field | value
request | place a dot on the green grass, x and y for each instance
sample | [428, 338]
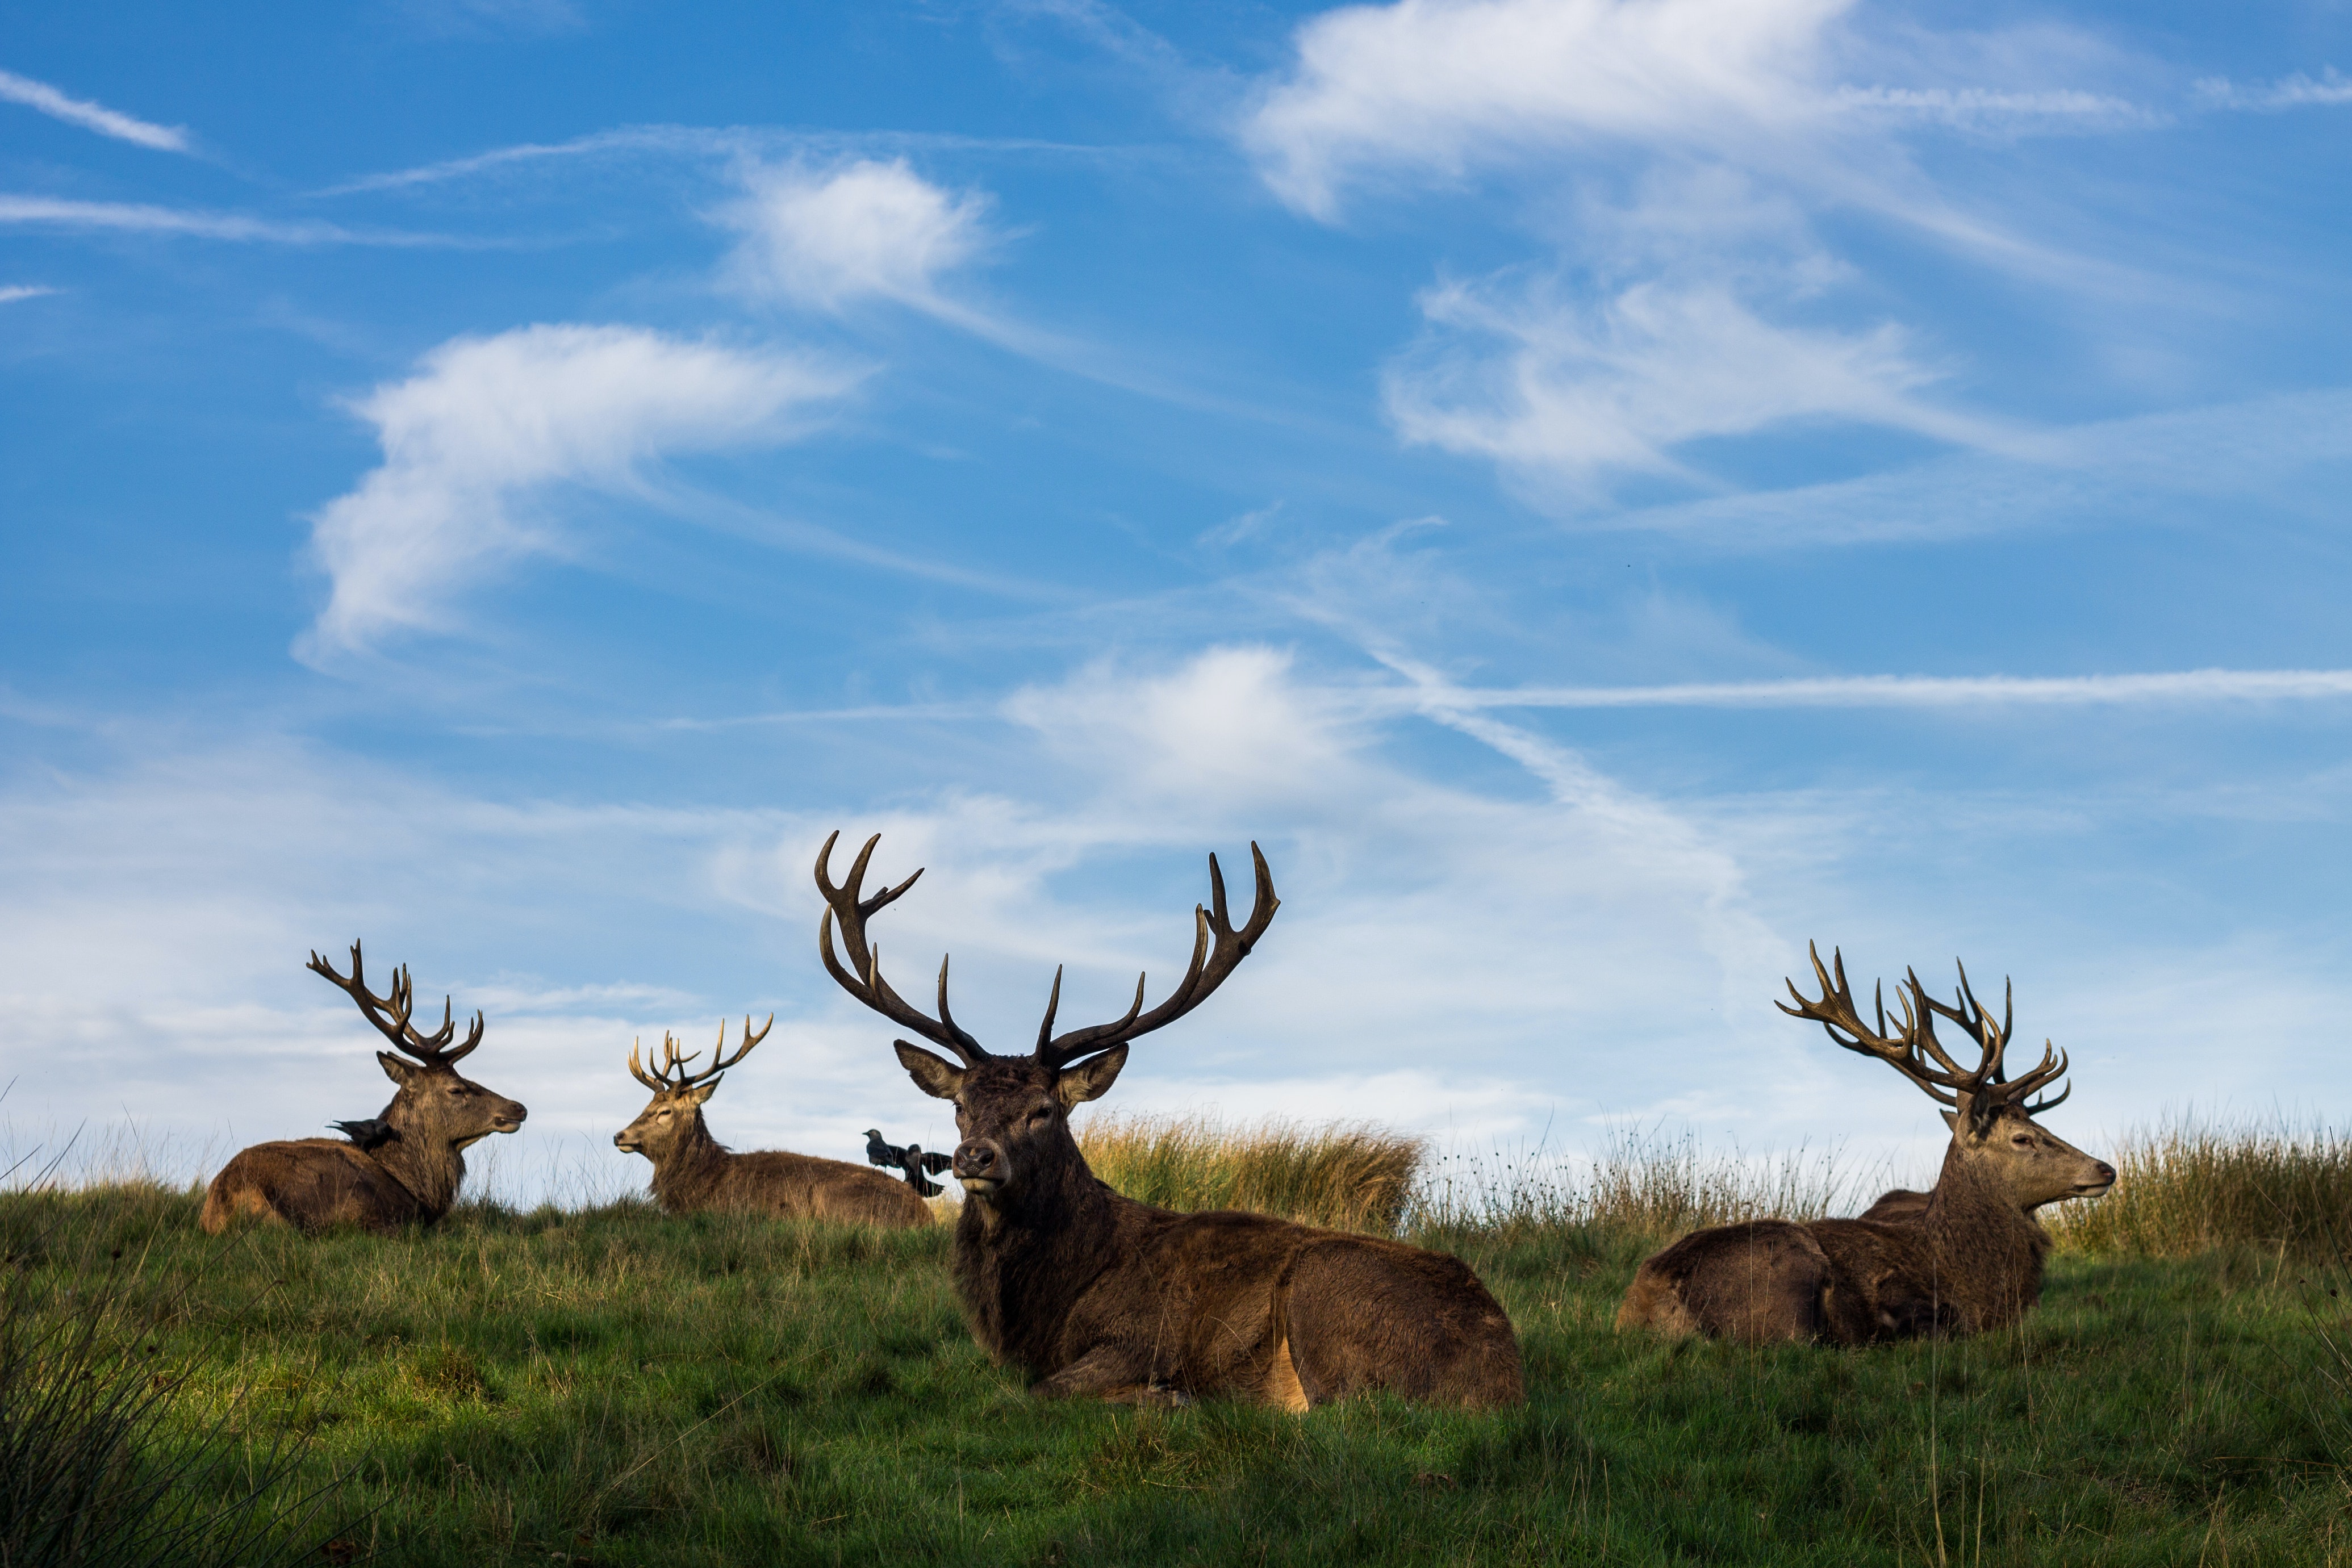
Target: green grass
[1345, 1176]
[615, 1387]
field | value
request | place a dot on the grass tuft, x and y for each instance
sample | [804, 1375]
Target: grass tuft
[1347, 1176]
[2188, 1187]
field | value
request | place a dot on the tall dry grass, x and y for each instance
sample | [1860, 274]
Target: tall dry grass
[1639, 1183]
[1345, 1176]
[2190, 1186]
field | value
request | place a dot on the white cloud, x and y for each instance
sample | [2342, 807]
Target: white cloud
[1436, 86]
[2165, 688]
[50, 211]
[49, 100]
[2297, 91]
[486, 425]
[1559, 390]
[866, 230]
[11, 292]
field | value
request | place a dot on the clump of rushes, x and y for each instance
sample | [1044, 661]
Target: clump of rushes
[94, 1468]
[1345, 1176]
[2188, 1187]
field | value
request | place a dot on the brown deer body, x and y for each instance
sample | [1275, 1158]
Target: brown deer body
[415, 1161]
[694, 1171]
[1096, 1295]
[1959, 1259]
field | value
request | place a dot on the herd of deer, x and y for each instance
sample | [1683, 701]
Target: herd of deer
[1097, 1295]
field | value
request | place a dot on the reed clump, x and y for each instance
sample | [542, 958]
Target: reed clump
[2189, 1186]
[1347, 1176]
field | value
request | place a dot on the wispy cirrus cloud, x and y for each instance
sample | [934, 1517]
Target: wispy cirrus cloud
[1563, 390]
[2163, 688]
[488, 427]
[42, 99]
[11, 292]
[139, 217]
[2330, 88]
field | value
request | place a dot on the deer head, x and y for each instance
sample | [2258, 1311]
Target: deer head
[675, 1109]
[1991, 1116]
[434, 1108]
[1012, 1111]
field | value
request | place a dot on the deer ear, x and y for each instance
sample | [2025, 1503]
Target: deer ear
[399, 1072]
[701, 1092]
[1951, 1119]
[1089, 1080]
[935, 1076]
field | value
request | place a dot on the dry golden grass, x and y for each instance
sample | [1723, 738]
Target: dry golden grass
[1345, 1176]
[2188, 1187]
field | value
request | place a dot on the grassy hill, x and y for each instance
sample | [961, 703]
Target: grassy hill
[615, 1387]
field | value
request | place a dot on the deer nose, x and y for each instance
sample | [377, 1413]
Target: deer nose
[975, 1157]
[2107, 1171]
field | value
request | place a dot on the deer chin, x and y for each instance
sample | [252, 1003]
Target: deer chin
[982, 1187]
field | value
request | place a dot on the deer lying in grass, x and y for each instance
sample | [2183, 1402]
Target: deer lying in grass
[414, 1158]
[1095, 1294]
[693, 1171]
[1969, 1259]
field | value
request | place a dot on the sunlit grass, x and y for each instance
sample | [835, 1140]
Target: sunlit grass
[1345, 1176]
[2190, 1186]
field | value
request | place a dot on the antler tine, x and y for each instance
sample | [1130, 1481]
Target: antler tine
[1053, 1006]
[719, 1060]
[391, 1014]
[637, 1071]
[1834, 1010]
[1217, 948]
[862, 977]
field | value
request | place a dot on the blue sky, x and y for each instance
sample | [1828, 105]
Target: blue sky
[1604, 492]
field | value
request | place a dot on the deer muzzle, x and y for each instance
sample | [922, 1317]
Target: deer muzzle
[983, 1165]
[2103, 1179]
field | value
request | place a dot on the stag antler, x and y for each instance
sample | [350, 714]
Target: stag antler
[389, 1014]
[1217, 948]
[670, 1073]
[867, 984]
[1916, 1052]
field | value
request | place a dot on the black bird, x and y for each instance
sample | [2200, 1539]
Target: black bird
[910, 1159]
[367, 1132]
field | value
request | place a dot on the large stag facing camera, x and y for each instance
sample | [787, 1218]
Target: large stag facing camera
[1963, 1258]
[693, 1171]
[1097, 1295]
[414, 1155]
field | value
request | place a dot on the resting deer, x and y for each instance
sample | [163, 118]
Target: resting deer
[693, 1171]
[1967, 1260]
[1093, 1295]
[414, 1155]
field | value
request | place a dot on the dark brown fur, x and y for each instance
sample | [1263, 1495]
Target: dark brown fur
[693, 1171]
[1968, 1260]
[1091, 1293]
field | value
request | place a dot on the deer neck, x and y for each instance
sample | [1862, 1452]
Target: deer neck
[1020, 1268]
[687, 1171]
[1988, 1250]
[430, 1168]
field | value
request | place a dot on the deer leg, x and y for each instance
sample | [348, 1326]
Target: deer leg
[1115, 1374]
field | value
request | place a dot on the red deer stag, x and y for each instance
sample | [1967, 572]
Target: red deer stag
[693, 1171]
[1095, 1294]
[407, 1166]
[1970, 1260]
